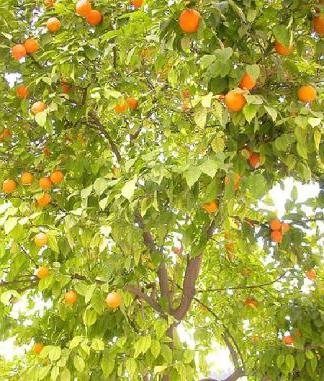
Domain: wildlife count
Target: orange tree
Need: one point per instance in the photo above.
(137, 139)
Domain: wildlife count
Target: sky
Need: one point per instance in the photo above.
(219, 360)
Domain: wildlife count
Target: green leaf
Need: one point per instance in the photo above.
(41, 118)
(129, 189)
(200, 117)
(209, 167)
(192, 175)
(155, 348)
(281, 34)
(98, 344)
(78, 363)
(89, 317)
(250, 111)
(256, 184)
(290, 362)
(131, 367)
(100, 185)
(65, 375)
(10, 224)
(253, 71)
(107, 363)
(272, 112)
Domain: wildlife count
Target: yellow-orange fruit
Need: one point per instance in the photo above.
(26, 178)
(251, 302)
(44, 200)
(49, 3)
(18, 51)
(307, 93)
(285, 227)
(311, 274)
(247, 82)
(45, 183)
(132, 103)
(282, 49)
(254, 160)
(53, 24)
(31, 45)
(38, 107)
(22, 92)
(66, 88)
(211, 207)
(236, 180)
(113, 300)
(83, 8)
(189, 20)
(57, 177)
(94, 17)
(137, 3)
(41, 239)
(234, 101)
(276, 236)
(37, 348)
(9, 186)
(318, 24)
(42, 272)
(275, 224)
(121, 107)
(288, 340)
(70, 297)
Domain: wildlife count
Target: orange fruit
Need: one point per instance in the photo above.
(251, 302)
(46, 151)
(236, 180)
(22, 92)
(229, 246)
(9, 186)
(38, 107)
(49, 3)
(288, 340)
(53, 24)
(307, 93)
(318, 24)
(45, 183)
(18, 51)
(177, 250)
(276, 236)
(44, 200)
(83, 8)
(42, 272)
(37, 348)
(132, 103)
(57, 177)
(26, 178)
(40, 239)
(70, 297)
(189, 20)
(31, 45)
(211, 207)
(121, 107)
(282, 49)
(234, 101)
(137, 3)
(246, 152)
(247, 82)
(113, 300)
(311, 274)
(285, 227)
(186, 93)
(254, 160)
(94, 17)
(6, 133)
(275, 224)
(65, 87)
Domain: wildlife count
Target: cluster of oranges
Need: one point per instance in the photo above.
(21, 50)
(128, 103)
(84, 9)
(278, 229)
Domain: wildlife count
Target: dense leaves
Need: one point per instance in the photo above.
(134, 152)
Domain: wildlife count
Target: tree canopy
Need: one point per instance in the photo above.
(137, 139)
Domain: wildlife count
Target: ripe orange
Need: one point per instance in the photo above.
(318, 24)
(42, 272)
(22, 92)
(247, 82)
(251, 302)
(37, 348)
(185, 93)
(288, 340)
(307, 93)
(70, 297)
(40, 239)
(311, 274)
(234, 101)
(53, 24)
(229, 246)
(189, 20)
(121, 107)
(254, 160)
(83, 8)
(275, 224)
(177, 250)
(38, 107)
(26, 178)
(49, 3)
(137, 3)
(65, 87)
(282, 49)
(285, 227)
(44, 200)
(18, 51)
(45, 183)
(276, 236)
(132, 103)
(211, 207)
(113, 300)
(6, 133)
(9, 186)
(57, 177)
(31, 45)
(236, 180)
(94, 17)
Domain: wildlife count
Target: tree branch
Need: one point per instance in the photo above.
(190, 278)
(149, 300)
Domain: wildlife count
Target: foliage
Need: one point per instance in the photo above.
(129, 216)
